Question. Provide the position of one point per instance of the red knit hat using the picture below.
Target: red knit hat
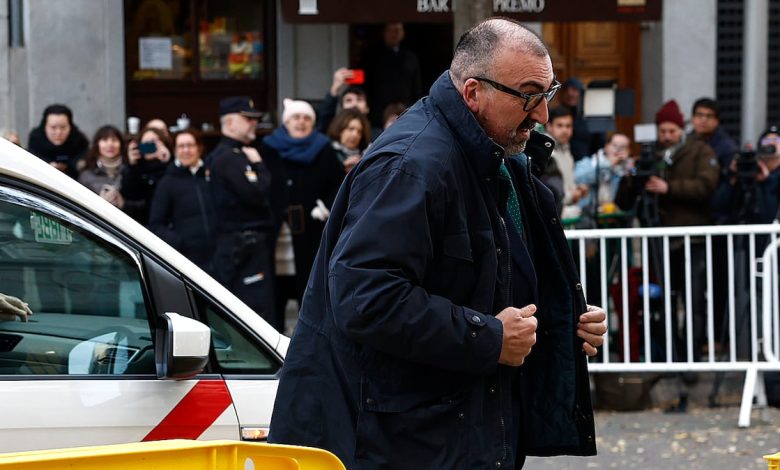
(670, 112)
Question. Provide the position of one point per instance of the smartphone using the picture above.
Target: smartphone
(106, 188)
(357, 77)
(147, 147)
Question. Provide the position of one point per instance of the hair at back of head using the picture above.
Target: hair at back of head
(476, 50)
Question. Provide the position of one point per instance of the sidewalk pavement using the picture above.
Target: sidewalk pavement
(703, 438)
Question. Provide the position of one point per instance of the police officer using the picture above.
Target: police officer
(241, 183)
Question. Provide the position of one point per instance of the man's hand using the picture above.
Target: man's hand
(12, 307)
(339, 81)
(519, 334)
(657, 185)
(592, 327)
(252, 154)
(350, 162)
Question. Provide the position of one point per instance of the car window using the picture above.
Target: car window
(234, 350)
(89, 315)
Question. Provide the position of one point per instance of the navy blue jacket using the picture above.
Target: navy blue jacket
(182, 213)
(724, 147)
(394, 362)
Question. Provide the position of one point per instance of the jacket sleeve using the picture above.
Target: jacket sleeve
(335, 176)
(325, 112)
(233, 173)
(161, 215)
(701, 183)
(376, 273)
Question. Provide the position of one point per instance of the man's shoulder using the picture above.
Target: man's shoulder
(699, 147)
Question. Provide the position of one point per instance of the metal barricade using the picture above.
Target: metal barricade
(665, 312)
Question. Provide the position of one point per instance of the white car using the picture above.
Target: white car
(129, 341)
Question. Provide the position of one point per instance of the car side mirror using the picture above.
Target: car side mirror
(181, 347)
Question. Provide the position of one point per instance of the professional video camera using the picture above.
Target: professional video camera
(745, 210)
(646, 166)
(747, 163)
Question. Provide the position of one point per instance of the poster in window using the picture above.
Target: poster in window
(155, 53)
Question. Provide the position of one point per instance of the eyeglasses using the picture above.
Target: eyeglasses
(702, 115)
(531, 100)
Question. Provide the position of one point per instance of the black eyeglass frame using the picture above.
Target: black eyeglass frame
(549, 94)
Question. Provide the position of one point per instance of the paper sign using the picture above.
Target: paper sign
(155, 54)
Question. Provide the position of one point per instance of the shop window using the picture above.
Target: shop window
(183, 56)
(232, 47)
(231, 39)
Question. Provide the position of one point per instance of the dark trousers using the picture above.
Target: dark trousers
(242, 264)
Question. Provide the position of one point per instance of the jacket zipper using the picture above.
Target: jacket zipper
(508, 299)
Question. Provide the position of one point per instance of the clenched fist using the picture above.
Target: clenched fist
(519, 334)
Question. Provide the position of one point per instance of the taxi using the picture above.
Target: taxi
(128, 340)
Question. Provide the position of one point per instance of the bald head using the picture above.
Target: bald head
(476, 51)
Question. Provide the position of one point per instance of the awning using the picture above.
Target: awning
(440, 11)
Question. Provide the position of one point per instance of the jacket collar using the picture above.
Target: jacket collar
(484, 154)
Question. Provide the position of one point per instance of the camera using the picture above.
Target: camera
(646, 165)
(747, 163)
(147, 147)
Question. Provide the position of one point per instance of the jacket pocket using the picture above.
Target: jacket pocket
(458, 246)
(428, 426)
(454, 274)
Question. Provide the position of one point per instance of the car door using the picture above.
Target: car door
(81, 370)
(249, 367)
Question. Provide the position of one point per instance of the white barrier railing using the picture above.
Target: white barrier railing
(669, 329)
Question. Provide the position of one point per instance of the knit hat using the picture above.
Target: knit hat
(292, 107)
(670, 112)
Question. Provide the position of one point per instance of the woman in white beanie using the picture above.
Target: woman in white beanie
(305, 176)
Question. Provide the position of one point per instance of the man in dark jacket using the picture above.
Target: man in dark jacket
(705, 118)
(240, 184)
(442, 261)
(392, 73)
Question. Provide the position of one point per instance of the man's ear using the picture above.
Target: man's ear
(471, 94)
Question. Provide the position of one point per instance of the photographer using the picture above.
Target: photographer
(683, 182)
(146, 163)
(686, 174)
(753, 178)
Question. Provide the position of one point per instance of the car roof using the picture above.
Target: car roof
(17, 163)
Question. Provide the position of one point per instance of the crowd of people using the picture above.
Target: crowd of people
(693, 174)
(251, 211)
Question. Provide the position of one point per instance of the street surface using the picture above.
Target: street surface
(703, 438)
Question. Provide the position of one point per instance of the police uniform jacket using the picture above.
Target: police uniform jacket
(240, 188)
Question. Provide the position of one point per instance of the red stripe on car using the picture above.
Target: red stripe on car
(198, 410)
